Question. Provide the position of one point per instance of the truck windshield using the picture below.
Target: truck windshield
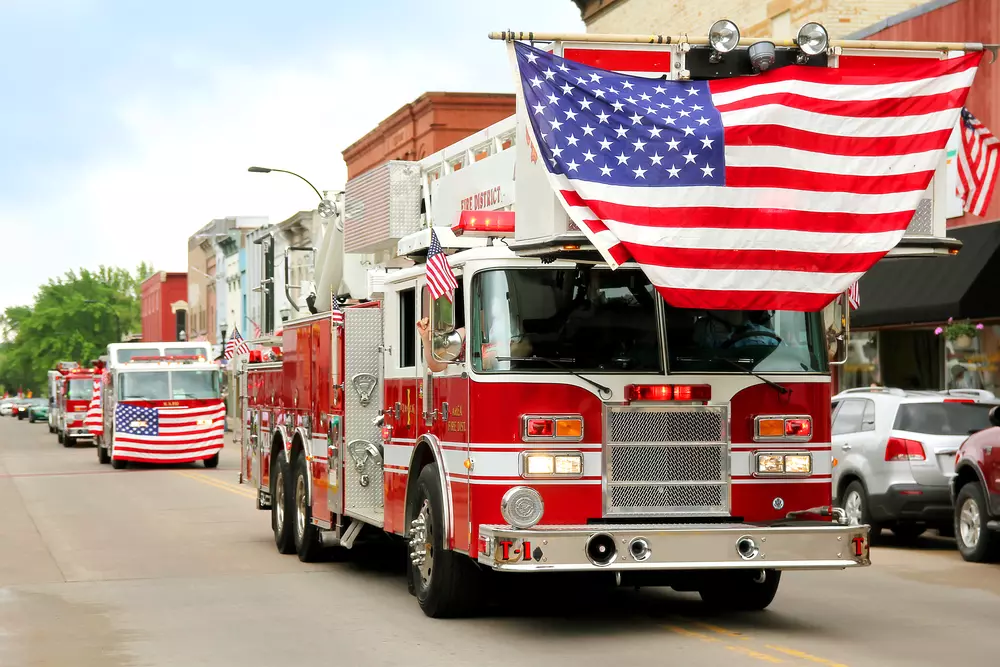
(583, 319)
(766, 341)
(79, 390)
(596, 320)
(128, 354)
(168, 385)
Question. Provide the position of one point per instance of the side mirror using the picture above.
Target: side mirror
(995, 415)
(447, 346)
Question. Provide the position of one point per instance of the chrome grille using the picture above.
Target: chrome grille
(670, 460)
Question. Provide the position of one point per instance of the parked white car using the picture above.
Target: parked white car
(6, 408)
(894, 454)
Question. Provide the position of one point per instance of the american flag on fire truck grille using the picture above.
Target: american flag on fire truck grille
(776, 191)
(236, 345)
(440, 278)
(94, 420)
(977, 165)
(169, 434)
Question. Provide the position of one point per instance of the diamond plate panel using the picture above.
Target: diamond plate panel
(671, 460)
(922, 223)
(381, 206)
(362, 338)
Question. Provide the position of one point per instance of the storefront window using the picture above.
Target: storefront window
(861, 368)
(973, 362)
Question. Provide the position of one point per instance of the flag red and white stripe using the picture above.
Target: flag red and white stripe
(184, 434)
(440, 278)
(824, 168)
(977, 165)
(94, 420)
(854, 296)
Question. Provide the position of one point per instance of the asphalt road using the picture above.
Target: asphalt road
(175, 566)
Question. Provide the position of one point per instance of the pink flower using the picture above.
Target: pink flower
(950, 320)
(938, 331)
(980, 326)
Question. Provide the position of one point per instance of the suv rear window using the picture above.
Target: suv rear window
(943, 418)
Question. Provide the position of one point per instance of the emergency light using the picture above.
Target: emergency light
(485, 223)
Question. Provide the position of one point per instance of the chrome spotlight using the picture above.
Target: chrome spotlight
(723, 37)
(812, 40)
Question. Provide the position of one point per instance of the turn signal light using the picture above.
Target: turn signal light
(668, 392)
(779, 427)
(540, 428)
(553, 428)
(901, 449)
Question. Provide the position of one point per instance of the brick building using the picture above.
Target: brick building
(425, 126)
(164, 306)
(756, 18)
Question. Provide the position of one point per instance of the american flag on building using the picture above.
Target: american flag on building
(977, 165)
(854, 296)
(440, 278)
(336, 312)
(236, 345)
(776, 191)
(167, 434)
(94, 420)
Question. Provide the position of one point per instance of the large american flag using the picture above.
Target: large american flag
(95, 413)
(236, 345)
(775, 191)
(169, 434)
(977, 165)
(440, 278)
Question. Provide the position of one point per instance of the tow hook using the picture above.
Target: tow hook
(837, 513)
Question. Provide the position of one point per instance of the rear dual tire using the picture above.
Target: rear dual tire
(306, 535)
(281, 519)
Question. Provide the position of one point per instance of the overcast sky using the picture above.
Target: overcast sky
(126, 125)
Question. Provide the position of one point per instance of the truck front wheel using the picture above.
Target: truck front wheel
(102, 453)
(741, 590)
(446, 583)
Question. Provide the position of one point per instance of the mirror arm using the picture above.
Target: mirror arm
(846, 334)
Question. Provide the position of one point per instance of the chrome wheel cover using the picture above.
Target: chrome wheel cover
(853, 509)
(422, 543)
(279, 501)
(300, 506)
(969, 523)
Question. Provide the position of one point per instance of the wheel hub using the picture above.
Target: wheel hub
(852, 508)
(422, 543)
(279, 501)
(300, 506)
(969, 523)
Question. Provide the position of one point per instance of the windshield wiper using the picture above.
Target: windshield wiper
(750, 371)
(600, 387)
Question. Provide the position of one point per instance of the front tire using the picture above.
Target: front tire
(59, 436)
(68, 442)
(976, 542)
(446, 583)
(307, 544)
(281, 508)
(103, 457)
(742, 590)
(212, 461)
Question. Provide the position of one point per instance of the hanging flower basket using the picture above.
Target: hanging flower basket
(961, 333)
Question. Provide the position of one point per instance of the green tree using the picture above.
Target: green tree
(73, 318)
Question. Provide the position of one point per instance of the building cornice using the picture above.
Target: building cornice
(592, 9)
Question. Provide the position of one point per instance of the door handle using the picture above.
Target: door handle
(845, 447)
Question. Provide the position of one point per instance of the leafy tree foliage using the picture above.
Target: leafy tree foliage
(74, 318)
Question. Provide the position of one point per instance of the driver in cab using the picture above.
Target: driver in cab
(735, 328)
(495, 356)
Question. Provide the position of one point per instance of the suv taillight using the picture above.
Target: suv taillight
(901, 449)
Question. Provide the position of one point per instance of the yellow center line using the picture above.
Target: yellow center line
(805, 656)
(715, 640)
(219, 485)
(722, 631)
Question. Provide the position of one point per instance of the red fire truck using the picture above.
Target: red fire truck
(76, 390)
(576, 422)
(55, 381)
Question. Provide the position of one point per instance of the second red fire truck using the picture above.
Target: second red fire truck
(566, 419)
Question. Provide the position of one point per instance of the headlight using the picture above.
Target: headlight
(551, 464)
(522, 507)
(774, 463)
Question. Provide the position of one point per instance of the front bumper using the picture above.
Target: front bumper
(812, 546)
(80, 433)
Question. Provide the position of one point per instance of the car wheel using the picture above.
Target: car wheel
(855, 506)
(976, 542)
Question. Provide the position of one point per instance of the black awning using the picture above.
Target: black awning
(932, 289)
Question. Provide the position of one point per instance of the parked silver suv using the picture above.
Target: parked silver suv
(894, 454)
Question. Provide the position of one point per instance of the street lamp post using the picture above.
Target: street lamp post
(326, 208)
